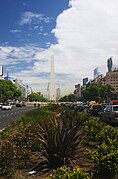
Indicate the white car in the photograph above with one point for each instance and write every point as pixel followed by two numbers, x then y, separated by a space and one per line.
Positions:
pixel 1 105
pixel 110 114
pixel 6 107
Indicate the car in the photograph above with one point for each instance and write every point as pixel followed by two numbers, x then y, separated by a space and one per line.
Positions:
pixel 110 114
pixel 18 104
pixel 6 107
pixel 96 109
pixel 1 105
pixel 104 105
pixel 24 104
pixel 79 107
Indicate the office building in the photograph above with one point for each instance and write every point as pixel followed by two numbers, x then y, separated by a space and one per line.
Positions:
pixel 111 78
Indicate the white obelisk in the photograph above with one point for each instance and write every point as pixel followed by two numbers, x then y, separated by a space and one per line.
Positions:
pixel 52 80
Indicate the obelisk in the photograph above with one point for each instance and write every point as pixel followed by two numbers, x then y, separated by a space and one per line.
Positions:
pixel 52 80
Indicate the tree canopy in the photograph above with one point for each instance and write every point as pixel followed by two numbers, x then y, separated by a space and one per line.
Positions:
pixel 36 97
pixel 68 98
pixel 97 92
pixel 8 91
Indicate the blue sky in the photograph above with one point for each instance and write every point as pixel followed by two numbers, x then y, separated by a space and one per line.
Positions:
pixel 29 21
pixel 81 35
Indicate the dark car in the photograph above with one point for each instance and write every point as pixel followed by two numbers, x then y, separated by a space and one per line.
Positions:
pixel 96 110
pixel 79 108
pixel 19 105
pixel 23 104
pixel 104 105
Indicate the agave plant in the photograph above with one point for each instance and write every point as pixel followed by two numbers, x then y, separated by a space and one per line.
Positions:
pixel 60 140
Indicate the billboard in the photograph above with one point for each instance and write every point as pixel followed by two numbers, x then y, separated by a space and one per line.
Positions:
pixel 1 70
pixel 85 80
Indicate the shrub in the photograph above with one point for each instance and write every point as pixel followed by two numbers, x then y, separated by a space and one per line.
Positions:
pixel 60 140
pixel 106 159
pixel 107 134
pixel 67 173
pixel 105 156
pixel 93 126
pixel 7 164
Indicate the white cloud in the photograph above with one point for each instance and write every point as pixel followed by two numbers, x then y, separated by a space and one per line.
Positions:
pixel 10 54
pixel 36 27
pixel 87 35
pixel 25 4
pixel 35 18
pixel 39 33
pixel 41 28
pixel 47 19
pixel 48 44
pixel 15 31
pixel 45 34
pixel 29 17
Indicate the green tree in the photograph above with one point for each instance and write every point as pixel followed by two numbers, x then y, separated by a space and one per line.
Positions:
pixel 110 90
pixel 97 92
pixel 8 90
pixel 63 99
pixel 68 98
pixel 71 97
pixel 36 97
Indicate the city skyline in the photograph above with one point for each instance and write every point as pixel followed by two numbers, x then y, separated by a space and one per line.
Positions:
pixel 82 35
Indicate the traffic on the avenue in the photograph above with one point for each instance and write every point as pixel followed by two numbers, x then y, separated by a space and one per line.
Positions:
pixel 7 116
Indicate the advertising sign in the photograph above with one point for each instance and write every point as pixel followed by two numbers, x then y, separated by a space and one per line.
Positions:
pixel 85 80
pixel 1 70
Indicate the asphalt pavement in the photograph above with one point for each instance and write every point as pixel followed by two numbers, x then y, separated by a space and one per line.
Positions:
pixel 7 116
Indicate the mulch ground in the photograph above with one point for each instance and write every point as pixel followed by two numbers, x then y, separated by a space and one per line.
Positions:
pixel 84 161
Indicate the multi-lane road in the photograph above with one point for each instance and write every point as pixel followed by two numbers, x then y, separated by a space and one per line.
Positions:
pixel 6 116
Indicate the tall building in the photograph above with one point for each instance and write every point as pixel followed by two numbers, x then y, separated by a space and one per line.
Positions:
pixel 85 81
pixel 58 94
pixel 9 78
pixel 109 64
pixel 95 72
pixel 48 92
pixel 98 79
pixel 77 91
pixel 52 81
pixel 111 78
pixel 21 87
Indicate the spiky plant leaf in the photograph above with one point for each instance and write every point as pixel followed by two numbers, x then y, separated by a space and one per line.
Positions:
pixel 60 139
